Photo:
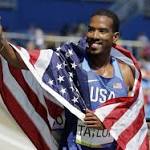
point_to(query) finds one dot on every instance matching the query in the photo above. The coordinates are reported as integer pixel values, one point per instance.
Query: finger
(92, 118)
(94, 125)
(90, 122)
(89, 115)
(88, 111)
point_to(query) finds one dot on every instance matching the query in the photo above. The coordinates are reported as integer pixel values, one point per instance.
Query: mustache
(93, 40)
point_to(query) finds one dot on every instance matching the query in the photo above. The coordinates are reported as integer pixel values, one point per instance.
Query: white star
(64, 63)
(73, 65)
(70, 52)
(57, 54)
(72, 88)
(75, 99)
(71, 74)
(60, 78)
(70, 79)
(51, 82)
(63, 91)
(76, 90)
(58, 49)
(59, 66)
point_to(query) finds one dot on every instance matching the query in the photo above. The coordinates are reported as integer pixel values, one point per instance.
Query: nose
(96, 34)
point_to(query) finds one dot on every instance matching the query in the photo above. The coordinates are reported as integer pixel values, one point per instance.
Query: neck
(98, 61)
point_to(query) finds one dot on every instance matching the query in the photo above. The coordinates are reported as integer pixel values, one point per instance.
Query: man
(107, 78)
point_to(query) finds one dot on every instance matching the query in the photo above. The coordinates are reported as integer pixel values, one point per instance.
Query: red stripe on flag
(118, 100)
(23, 120)
(145, 144)
(53, 109)
(118, 111)
(131, 131)
(34, 56)
(33, 98)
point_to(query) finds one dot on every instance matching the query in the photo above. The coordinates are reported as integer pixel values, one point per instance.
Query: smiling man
(107, 78)
(98, 76)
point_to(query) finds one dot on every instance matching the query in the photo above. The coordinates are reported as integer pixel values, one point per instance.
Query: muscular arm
(128, 75)
(10, 54)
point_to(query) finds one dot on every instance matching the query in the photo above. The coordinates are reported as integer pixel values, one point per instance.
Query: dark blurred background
(56, 15)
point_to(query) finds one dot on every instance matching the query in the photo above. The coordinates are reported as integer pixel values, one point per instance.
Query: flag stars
(75, 100)
(70, 79)
(57, 54)
(71, 74)
(72, 88)
(51, 82)
(58, 49)
(73, 65)
(60, 78)
(59, 66)
(63, 91)
(70, 52)
(64, 63)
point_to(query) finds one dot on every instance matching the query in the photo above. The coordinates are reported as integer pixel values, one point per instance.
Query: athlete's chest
(103, 89)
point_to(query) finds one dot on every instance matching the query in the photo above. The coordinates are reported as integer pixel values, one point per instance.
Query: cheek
(89, 35)
(108, 38)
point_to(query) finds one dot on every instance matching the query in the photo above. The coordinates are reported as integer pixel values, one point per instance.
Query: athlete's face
(100, 35)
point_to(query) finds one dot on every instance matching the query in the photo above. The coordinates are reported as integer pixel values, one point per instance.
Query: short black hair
(110, 14)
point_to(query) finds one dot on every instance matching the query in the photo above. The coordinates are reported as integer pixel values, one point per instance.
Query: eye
(103, 30)
(90, 29)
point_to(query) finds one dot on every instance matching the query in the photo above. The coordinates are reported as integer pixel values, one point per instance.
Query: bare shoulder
(127, 73)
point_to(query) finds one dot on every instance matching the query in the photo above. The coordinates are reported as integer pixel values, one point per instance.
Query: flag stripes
(17, 102)
(123, 116)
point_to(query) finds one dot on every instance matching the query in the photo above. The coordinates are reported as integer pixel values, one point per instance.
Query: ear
(116, 37)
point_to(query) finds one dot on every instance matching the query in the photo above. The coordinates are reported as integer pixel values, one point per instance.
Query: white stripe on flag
(41, 66)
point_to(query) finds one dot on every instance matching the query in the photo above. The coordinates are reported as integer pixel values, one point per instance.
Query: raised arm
(9, 53)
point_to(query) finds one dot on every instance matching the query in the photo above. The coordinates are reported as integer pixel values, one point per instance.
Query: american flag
(29, 105)
(59, 76)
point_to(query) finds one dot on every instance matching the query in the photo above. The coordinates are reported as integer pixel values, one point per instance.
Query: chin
(95, 51)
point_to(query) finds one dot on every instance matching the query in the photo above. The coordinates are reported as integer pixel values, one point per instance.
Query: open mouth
(96, 45)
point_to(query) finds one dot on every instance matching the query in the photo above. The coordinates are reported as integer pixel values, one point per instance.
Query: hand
(92, 121)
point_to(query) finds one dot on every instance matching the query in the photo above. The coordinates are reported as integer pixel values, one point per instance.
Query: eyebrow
(101, 28)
